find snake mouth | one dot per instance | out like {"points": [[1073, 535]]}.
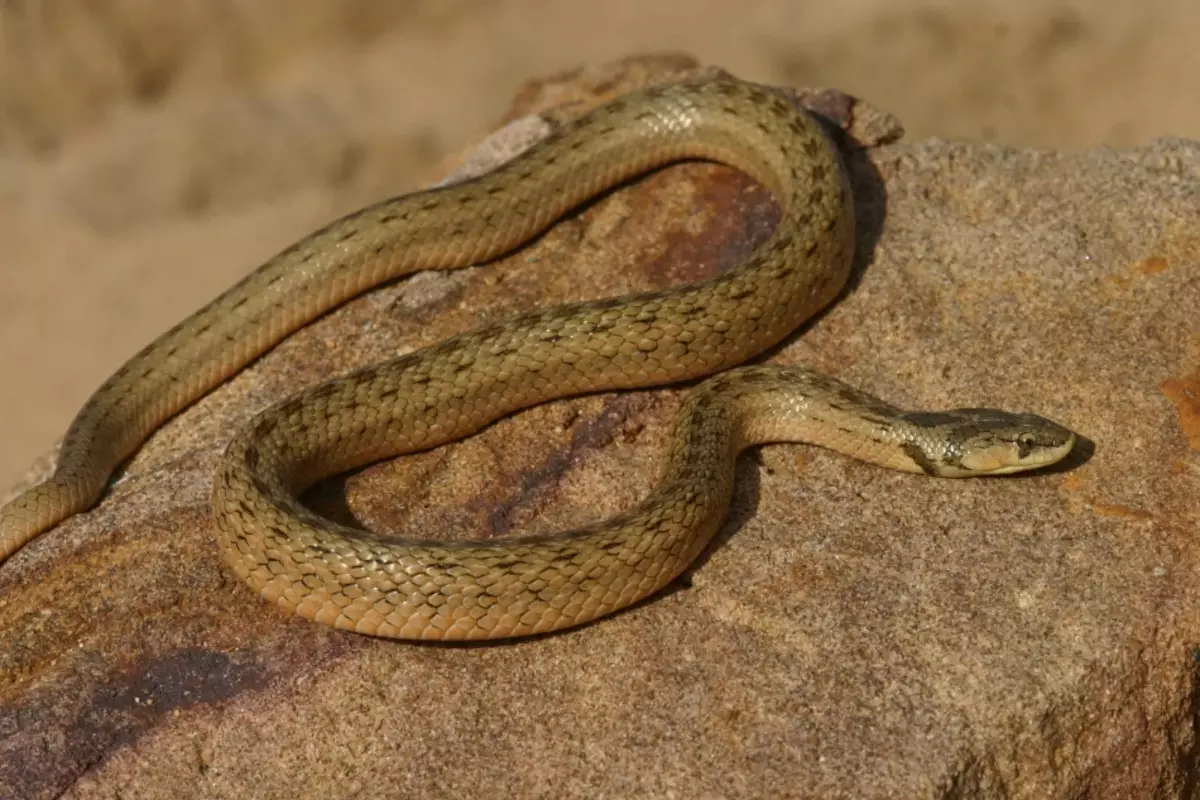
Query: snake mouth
{"points": [[1052, 455], [1006, 458]]}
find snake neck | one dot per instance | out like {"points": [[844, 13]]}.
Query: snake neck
{"points": [[769, 404]]}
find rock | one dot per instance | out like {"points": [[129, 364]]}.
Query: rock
{"points": [[853, 632]]}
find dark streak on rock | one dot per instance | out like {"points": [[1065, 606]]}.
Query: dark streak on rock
{"points": [[117, 713], [589, 435]]}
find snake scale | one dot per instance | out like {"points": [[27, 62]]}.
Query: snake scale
{"points": [[418, 589]]}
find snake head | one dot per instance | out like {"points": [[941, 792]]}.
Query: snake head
{"points": [[967, 442]]}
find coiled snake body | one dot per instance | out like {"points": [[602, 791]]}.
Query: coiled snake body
{"points": [[517, 586]]}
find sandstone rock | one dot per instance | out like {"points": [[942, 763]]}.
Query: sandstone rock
{"points": [[853, 632]]}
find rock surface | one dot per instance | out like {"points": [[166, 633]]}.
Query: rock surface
{"points": [[853, 633]]}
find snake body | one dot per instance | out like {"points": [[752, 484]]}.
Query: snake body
{"points": [[418, 589]]}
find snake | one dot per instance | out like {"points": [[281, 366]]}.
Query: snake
{"points": [[462, 589]]}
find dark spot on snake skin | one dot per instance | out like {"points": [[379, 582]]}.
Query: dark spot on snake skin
{"points": [[431, 204], [203, 329], [755, 377], [662, 524], [844, 393], [317, 547], [387, 217], [884, 420], [919, 458], [174, 330], [741, 294], [494, 190], [602, 305], [235, 507], [265, 428], [346, 236], [251, 457], [323, 392], [465, 199], [239, 304], [931, 419]]}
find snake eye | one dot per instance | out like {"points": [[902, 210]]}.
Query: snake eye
{"points": [[1025, 444]]}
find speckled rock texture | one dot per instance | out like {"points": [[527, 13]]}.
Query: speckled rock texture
{"points": [[852, 633]]}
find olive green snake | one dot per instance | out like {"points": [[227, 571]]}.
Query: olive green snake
{"points": [[514, 586]]}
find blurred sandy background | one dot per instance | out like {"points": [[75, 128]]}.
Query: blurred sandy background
{"points": [[151, 153]]}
